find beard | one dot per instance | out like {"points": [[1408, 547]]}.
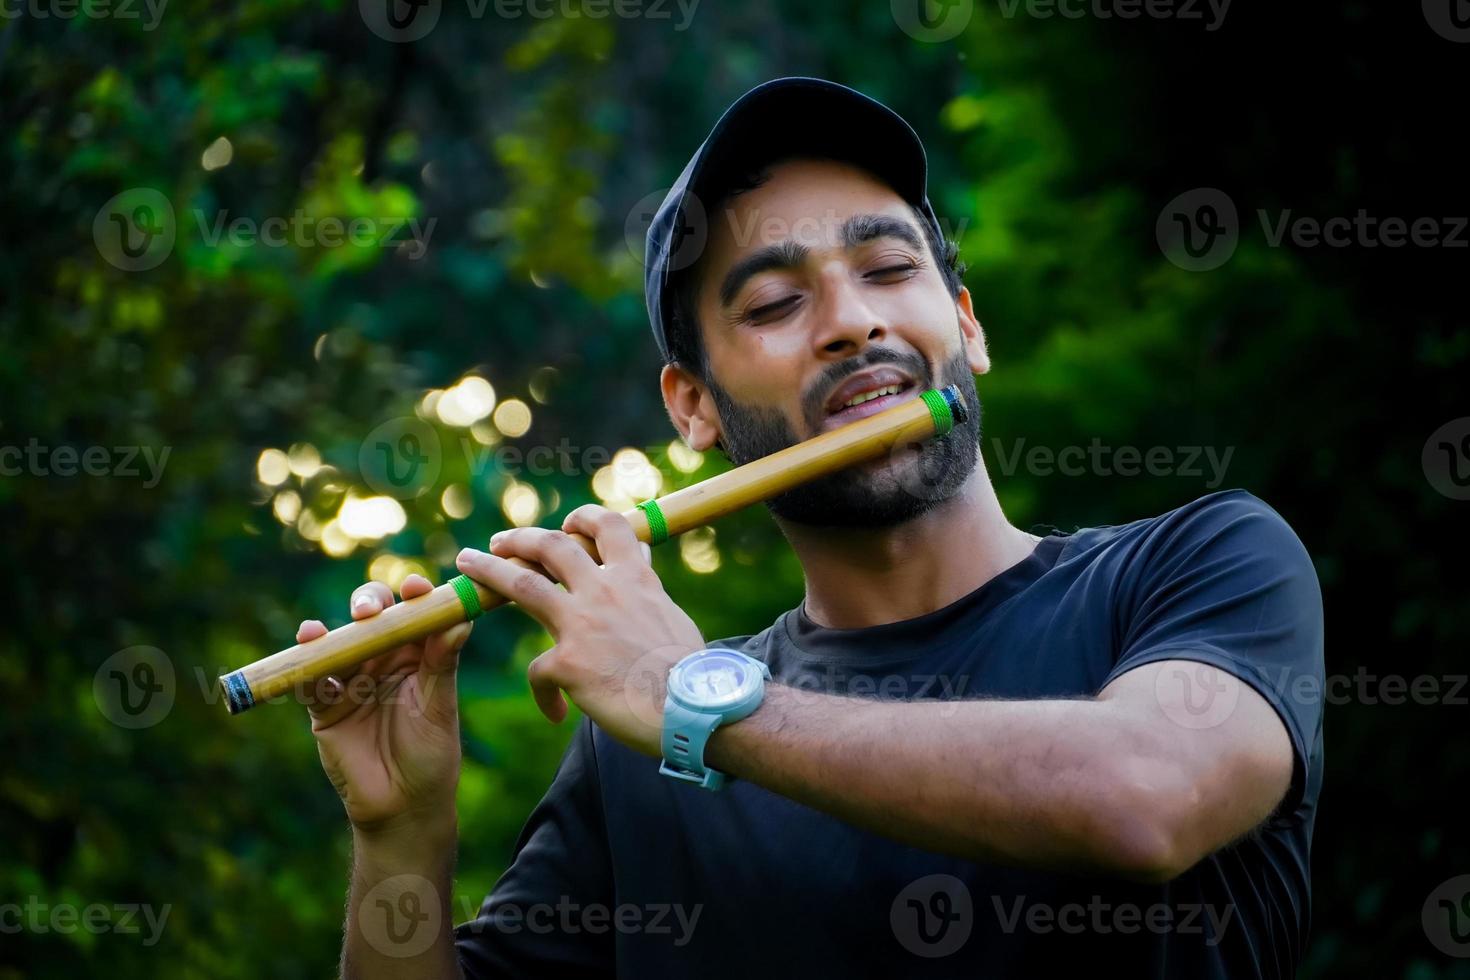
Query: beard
{"points": [[912, 480]]}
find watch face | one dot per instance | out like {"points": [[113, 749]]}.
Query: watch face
{"points": [[714, 679]]}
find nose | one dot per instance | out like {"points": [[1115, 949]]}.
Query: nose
{"points": [[846, 324]]}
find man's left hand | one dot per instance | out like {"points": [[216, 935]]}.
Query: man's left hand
{"points": [[615, 629]]}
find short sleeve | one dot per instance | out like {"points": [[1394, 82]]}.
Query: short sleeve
{"points": [[561, 860], [1225, 581]]}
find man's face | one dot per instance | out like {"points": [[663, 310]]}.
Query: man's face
{"points": [[817, 288]]}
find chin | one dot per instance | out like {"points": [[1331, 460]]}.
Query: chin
{"points": [[884, 493]]}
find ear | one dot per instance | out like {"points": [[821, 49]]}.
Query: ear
{"points": [[691, 407], [972, 334]]}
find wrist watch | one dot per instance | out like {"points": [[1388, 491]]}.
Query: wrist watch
{"points": [[707, 689]]}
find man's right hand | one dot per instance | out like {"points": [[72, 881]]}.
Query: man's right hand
{"points": [[388, 735], [388, 730]]}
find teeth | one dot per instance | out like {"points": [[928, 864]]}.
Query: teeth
{"points": [[868, 396]]}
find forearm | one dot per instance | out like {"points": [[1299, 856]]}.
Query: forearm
{"points": [[1058, 784], [398, 908]]}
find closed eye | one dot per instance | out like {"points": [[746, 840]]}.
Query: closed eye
{"points": [[769, 310], [894, 271]]}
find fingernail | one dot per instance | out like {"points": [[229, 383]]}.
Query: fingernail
{"points": [[359, 601]]}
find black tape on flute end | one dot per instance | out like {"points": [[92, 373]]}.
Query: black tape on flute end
{"points": [[237, 693], [956, 403]]}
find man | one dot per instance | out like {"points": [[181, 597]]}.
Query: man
{"points": [[979, 753]]}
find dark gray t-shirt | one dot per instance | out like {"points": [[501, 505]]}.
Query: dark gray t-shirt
{"points": [[621, 871]]}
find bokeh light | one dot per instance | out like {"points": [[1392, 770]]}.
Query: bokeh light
{"points": [[369, 518], [521, 505], [466, 403], [456, 501], [272, 467], [698, 551], [513, 417]]}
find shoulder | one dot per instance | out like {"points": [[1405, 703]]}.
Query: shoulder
{"points": [[1228, 524], [763, 646]]}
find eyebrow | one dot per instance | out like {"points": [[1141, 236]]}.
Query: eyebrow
{"points": [[857, 230]]}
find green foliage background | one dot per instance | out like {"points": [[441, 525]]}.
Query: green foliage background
{"points": [[1054, 143]]}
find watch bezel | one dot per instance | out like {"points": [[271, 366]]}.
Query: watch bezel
{"points": [[681, 692]]}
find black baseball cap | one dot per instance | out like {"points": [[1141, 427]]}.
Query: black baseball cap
{"points": [[785, 117]]}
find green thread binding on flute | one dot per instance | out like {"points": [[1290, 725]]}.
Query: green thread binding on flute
{"points": [[939, 411], [468, 597], [658, 531]]}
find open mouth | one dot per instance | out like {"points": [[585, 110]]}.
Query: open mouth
{"points": [[868, 393]]}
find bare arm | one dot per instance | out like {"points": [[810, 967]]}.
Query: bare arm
{"points": [[1112, 783], [388, 736], [399, 918]]}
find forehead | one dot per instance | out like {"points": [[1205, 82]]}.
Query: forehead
{"points": [[802, 201]]}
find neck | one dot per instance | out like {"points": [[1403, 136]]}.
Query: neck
{"points": [[860, 577]]}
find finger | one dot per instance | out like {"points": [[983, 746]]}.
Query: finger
{"points": [[563, 558], [616, 542], [331, 699], [414, 586], [647, 552], [310, 629], [532, 591], [545, 690], [369, 599], [439, 671]]}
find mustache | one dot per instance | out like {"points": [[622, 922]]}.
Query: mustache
{"points": [[814, 402]]}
